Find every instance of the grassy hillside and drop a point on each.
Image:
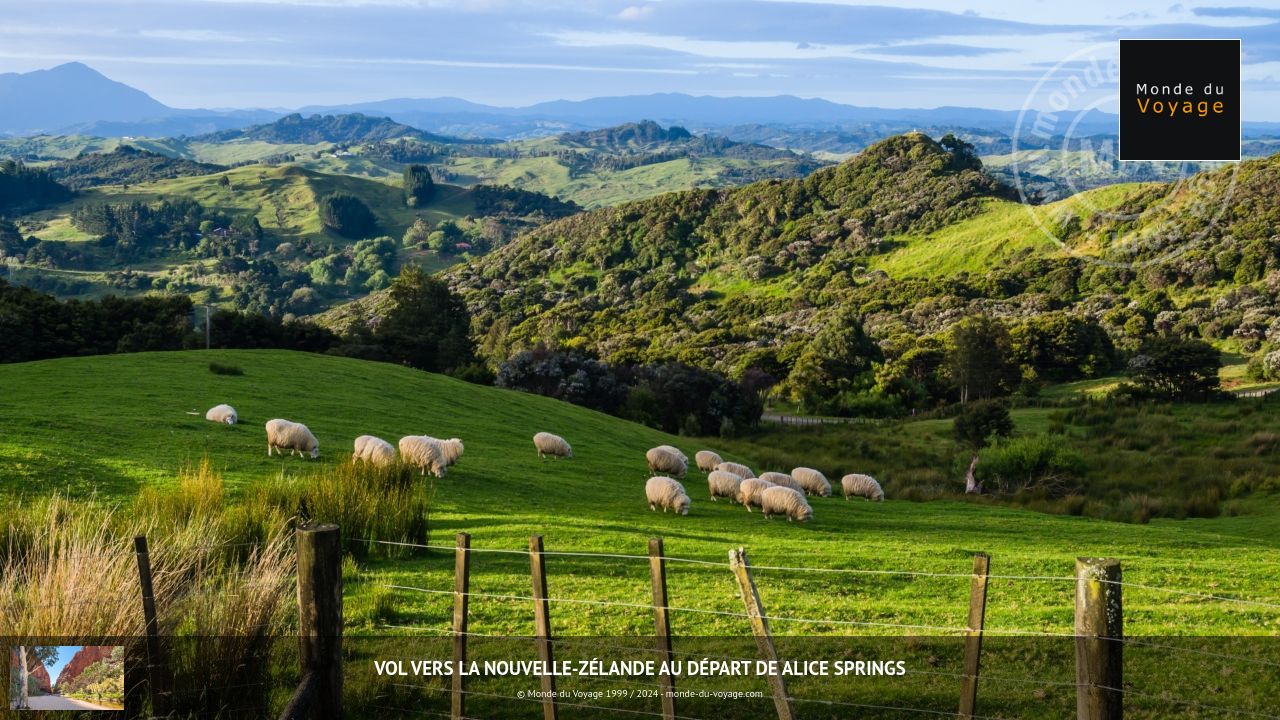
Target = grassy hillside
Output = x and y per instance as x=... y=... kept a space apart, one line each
x=106 y=426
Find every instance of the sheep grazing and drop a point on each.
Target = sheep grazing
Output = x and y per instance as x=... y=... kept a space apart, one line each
x=552 y=445
x=665 y=493
x=295 y=437
x=452 y=450
x=749 y=491
x=666 y=459
x=738 y=469
x=783 y=479
x=812 y=481
x=707 y=460
x=785 y=501
x=373 y=450
x=677 y=451
x=222 y=414
x=424 y=453
x=723 y=484
x=863 y=486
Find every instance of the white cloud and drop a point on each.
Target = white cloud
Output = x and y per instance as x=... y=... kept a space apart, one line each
x=635 y=12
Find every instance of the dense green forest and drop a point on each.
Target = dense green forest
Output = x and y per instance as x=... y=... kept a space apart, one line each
x=126 y=165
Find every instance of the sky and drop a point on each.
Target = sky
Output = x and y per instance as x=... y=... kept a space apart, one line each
x=65 y=653
x=903 y=53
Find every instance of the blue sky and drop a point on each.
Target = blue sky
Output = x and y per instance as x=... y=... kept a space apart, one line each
x=65 y=653
x=909 y=53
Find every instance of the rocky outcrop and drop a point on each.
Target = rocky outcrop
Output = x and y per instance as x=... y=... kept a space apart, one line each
x=86 y=656
x=35 y=668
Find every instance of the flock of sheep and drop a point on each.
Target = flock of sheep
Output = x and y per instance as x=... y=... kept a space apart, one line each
x=775 y=493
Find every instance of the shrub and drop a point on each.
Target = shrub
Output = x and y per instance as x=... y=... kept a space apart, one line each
x=1033 y=463
x=220 y=369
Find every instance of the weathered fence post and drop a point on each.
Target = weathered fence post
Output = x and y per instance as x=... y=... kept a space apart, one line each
x=320 y=621
x=973 y=634
x=542 y=627
x=1099 y=640
x=760 y=627
x=461 y=586
x=662 y=626
x=155 y=661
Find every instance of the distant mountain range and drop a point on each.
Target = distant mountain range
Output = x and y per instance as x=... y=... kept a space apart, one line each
x=76 y=99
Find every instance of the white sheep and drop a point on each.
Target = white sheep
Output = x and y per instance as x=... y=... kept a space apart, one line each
x=783 y=479
x=666 y=459
x=677 y=451
x=738 y=469
x=813 y=482
x=863 y=486
x=749 y=491
x=452 y=450
x=373 y=450
x=424 y=453
x=785 y=501
x=222 y=414
x=666 y=493
x=295 y=437
x=552 y=445
x=723 y=484
x=707 y=460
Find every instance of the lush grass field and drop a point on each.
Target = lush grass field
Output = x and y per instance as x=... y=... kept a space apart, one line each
x=105 y=427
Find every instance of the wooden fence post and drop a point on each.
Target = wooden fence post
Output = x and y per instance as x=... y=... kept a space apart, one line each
x=662 y=626
x=1099 y=640
x=760 y=627
x=155 y=662
x=973 y=635
x=542 y=627
x=461 y=586
x=320 y=618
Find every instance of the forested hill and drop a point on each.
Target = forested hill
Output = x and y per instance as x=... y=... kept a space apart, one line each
x=349 y=128
x=658 y=143
x=127 y=165
x=618 y=268
x=902 y=242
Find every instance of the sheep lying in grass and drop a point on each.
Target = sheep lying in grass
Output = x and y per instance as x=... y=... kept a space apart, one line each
x=666 y=459
x=707 y=460
x=663 y=492
x=785 y=501
x=373 y=450
x=783 y=479
x=424 y=453
x=552 y=445
x=863 y=486
x=749 y=491
x=222 y=414
x=813 y=482
x=295 y=437
x=723 y=485
x=738 y=469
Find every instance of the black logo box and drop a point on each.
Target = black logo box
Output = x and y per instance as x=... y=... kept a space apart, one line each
x=1180 y=65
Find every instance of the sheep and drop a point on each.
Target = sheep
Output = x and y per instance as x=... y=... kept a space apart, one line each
x=552 y=445
x=749 y=491
x=452 y=450
x=222 y=414
x=676 y=451
x=863 y=486
x=666 y=493
x=663 y=459
x=424 y=453
x=295 y=437
x=738 y=469
x=373 y=450
x=723 y=484
x=707 y=460
x=812 y=481
x=785 y=501
x=783 y=479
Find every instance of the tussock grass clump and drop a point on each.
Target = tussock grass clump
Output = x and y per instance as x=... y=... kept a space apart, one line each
x=221 y=369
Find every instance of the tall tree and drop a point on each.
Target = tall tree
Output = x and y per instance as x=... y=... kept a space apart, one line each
x=839 y=353
x=1176 y=369
x=347 y=215
x=45 y=654
x=974 y=427
x=418 y=186
x=980 y=358
x=427 y=326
